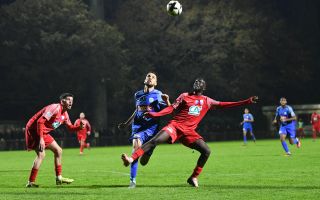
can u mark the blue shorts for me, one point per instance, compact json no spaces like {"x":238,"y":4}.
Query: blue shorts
{"x":144,"y":136}
{"x":247,"y":128}
{"x":289,"y":130}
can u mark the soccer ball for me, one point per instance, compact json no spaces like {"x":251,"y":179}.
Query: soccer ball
{"x":174,"y":8}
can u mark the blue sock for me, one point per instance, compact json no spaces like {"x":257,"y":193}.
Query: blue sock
{"x":285,"y":146}
{"x":295,"y":140}
{"x":245,"y":139}
{"x":253,"y":137}
{"x":133,"y":170}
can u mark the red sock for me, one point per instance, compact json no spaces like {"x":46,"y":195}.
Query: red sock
{"x":58,"y":170}
{"x":33,"y":175}
{"x":137,"y":154}
{"x":196,"y":172}
{"x":314,"y":135}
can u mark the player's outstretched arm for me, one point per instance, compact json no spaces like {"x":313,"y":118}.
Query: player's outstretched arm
{"x":165,"y":98}
{"x":163,"y":112}
{"x":128,"y":122}
{"x":250,"y":100}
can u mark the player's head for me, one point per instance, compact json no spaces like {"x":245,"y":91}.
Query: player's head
{"x":199,"y":85}
{"x":151,"y":79}
{"x":66,"y":100}
{"x":82,"y":115}
{"x":246,"y":110}
{"x":283,"y":101}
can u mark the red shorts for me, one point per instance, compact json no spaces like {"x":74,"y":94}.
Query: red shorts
{"x":32,"y":139}
{"x":82,"y":137}
{"x":316,"y":128}
{"x":178,"y":132}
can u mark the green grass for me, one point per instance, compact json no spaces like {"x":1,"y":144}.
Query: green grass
{"x":256,"y":171}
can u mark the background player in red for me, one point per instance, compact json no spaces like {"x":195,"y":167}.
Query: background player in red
{"x":190,"y":109}
{"x":82,"y":134}
{"x":38,"y":136}
{"x":315,"y":121}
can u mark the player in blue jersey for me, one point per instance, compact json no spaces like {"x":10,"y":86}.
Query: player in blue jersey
{"x":143,"y":128}
{"x":287,"y":125}
{"x":247,"y":125}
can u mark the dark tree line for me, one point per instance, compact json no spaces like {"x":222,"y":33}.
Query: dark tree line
{"x":242,"y":48}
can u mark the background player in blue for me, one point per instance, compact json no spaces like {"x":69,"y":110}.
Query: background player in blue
{"x":143,"y":129}
{"x":247,"y":125}
{"x":287,"y":125}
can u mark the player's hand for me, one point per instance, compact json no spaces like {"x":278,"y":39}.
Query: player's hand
{"x":283,"y":119}
{"x":122,"y":126}
{"x":88,"y":133}
{"x":241,"y":123}
{"x":148,"y":115}
{"x":274,"y":121}
{"x":165,"y":97}
{"x":42,"y":145}
{"x":254,"y":99}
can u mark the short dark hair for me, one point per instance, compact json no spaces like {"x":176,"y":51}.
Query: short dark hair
{"x":65,"y":95}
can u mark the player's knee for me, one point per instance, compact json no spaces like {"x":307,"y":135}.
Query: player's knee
{"x":206,"y":152}
{"x":58,"y":151}
{"x":42,"y":155}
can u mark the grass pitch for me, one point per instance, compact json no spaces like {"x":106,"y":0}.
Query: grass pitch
{"x":255,"y":171}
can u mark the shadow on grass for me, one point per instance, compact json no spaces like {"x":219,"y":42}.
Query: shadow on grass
{"x":204,"y":186}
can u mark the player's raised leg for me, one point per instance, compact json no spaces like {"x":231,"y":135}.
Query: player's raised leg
{"x":293,"y":139}
{"x":161,"y":137}
{"x":253,"y":136}
{"x":57,"y":151}
{"x":205,"y":152}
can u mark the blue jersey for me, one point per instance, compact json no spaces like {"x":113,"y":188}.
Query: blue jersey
{"x":247,"y":117}
{"x":151,"y":102}
{"x":286,"y":112}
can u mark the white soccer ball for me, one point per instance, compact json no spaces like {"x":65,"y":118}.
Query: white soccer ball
{"x":174,"y":8}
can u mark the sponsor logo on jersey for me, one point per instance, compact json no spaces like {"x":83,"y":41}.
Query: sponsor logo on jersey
{"x":56,"y":124}
{"x":151,"y":100}
{"x":195,"y":110}
{"x":48,"y":114}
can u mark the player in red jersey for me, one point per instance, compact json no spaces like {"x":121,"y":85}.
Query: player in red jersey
{"x":82,"y":134}
{"x":190,"y":109}
{"x":38,"y":136}
{"x":315,"y":121}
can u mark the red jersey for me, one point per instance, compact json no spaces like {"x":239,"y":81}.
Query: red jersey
{"x":54,"y":118}
{"x":191,"y":109}
{"x":315,"y":119}
{"x":86,"y":129}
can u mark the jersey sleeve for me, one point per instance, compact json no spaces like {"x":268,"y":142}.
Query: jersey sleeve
{"x":212,"y":103}
{"x":77,"y":122}
{"x":70,"y":126}
{"x":50,"y":111}
{"x":162,"y":104}
{"x":291,"y":112}
{"x":178,"y":101}
{"x":251,"y":117}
